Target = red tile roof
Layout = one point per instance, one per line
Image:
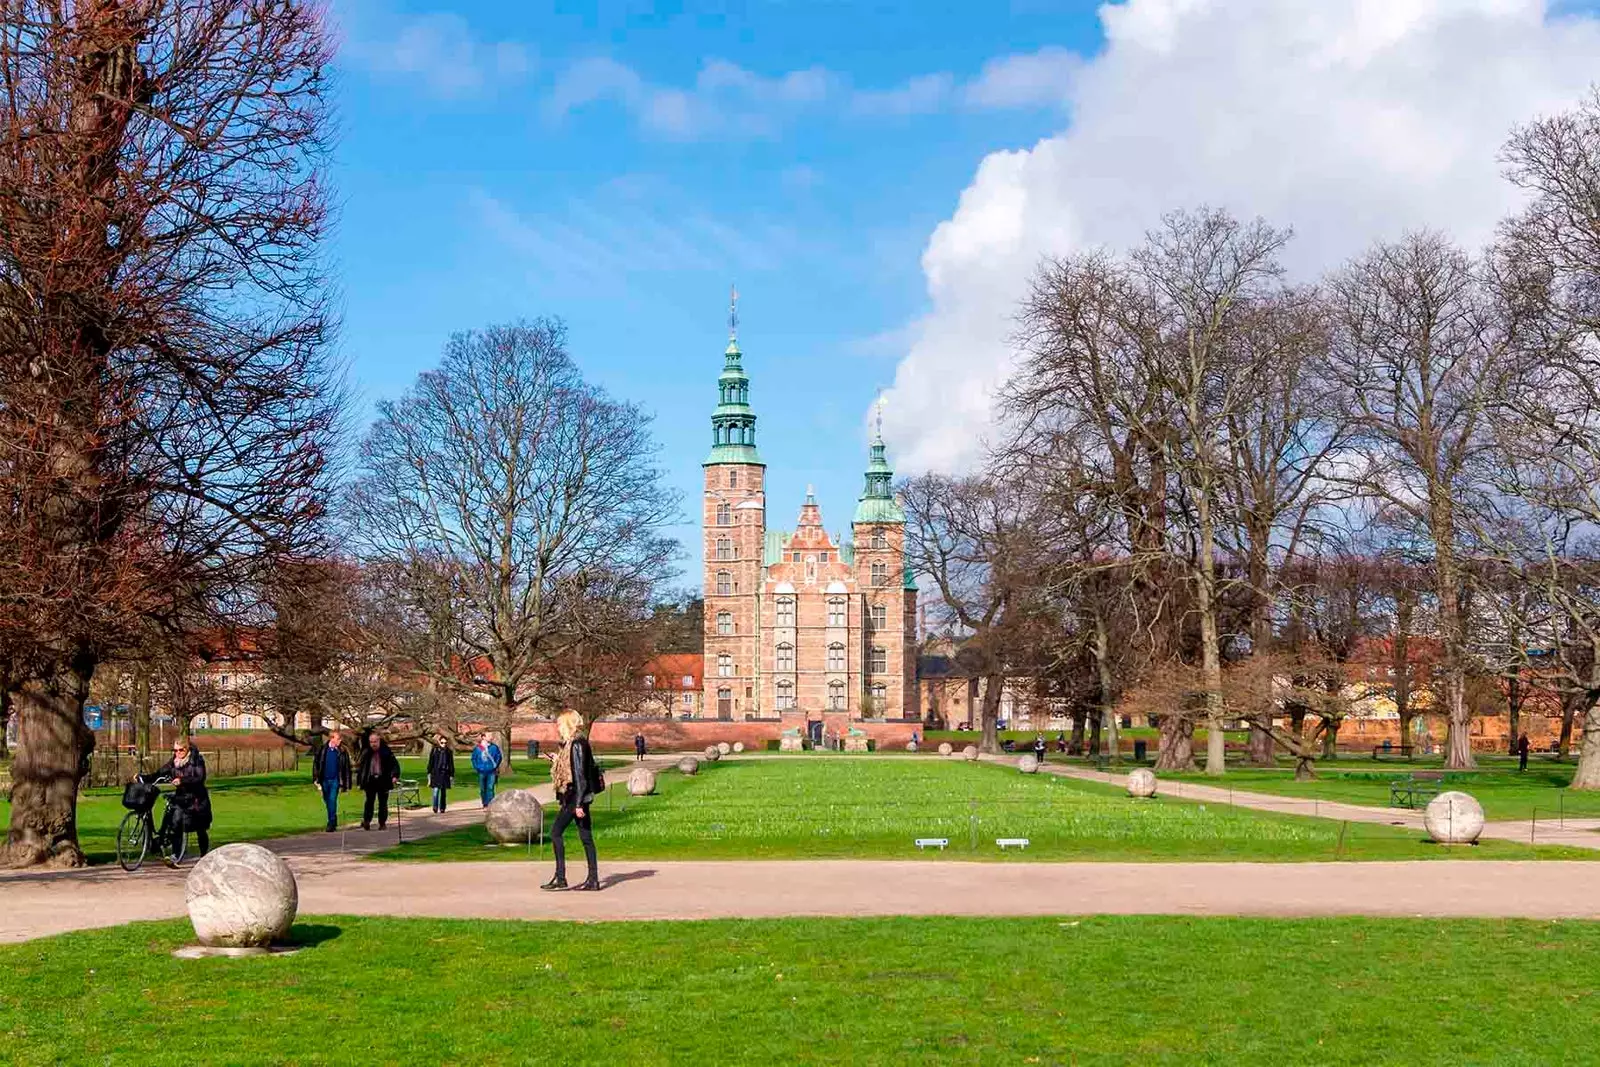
(669, 671)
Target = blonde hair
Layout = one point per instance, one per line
(569, 724)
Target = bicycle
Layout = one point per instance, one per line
(139, 830)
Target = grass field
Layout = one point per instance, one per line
(874, 808)
(829, 991)
(258, 806)
(1504, 792)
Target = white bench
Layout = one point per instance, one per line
(940, 842)
(1011, 842)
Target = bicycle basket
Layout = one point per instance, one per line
(139, 796)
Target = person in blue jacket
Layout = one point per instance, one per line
(486, 761)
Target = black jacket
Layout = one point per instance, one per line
(191, 796)
(340, 769)
(441, 767)
(378, 769)
(585, 775)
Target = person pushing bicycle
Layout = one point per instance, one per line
(187, 770)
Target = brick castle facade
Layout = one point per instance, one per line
(800, 626)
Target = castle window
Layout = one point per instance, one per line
(879, 661)
(880, 574)
(878, 540)
(786, 611)
(785, 695)
(724, 622)
(688, 681)
(724, 515)
(785, 657)
(724, 665)
(724, 548)
(733, 478)
(649, 681)
(724, 583)
(688, 700)
(880, 616)
(836, 612)
(880, 695)
(836, 696)
(822, 556)
(794, 557)
(836, 657)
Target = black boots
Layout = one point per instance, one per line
(558, 882)
(592, 884)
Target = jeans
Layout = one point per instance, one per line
(569, 814)
(330, 800)
(382, 797)
(438, 798)
(486, 786)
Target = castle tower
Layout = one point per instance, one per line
(887, 594)
(733, 521)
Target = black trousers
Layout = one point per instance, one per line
(382, 797)
(202, 838)
(569, 814)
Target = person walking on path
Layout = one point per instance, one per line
(638, 746)
(486, 761)
(1039, 747)
(330, 770)
(577, 779)
(377, 773)
(441, 770)
(1522, 753)
(191, 801)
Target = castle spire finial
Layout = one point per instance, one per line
(733, 312)
(879, 432)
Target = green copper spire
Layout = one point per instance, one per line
(877, 503)
(733, 423)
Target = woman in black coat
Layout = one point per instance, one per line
(191, 801)
(578, 781)
(441, 771)
(376, 774)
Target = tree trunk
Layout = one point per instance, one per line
(1105, 686)
(1399, 661)
(1458, 716)
(1330, 738)
(1261, 753)
(1210, 642)
(141, 715)
(993, 683)
(1075, 743)
(1177, 744)
(1514, 707)
(5, 719)
(1096, 718)
(1587, 776)
(502, 736)
(1297, 719)
(53, 750)
(1569, 709)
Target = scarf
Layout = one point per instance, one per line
(561, 769)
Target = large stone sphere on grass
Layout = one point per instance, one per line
(1028, 763)
(970, 752)
(738, 746)
(241, 896)
(641, 782)
(514, 816)
(688, 765)
(1454, 818)
(1142, 782)
(713, 753)
(945, 748)
(724, 748)
(911, 746)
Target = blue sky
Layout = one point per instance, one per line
(619, 165)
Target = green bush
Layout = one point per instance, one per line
(772, 744)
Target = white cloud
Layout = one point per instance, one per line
(1350, 120)
(918, 96)
(1034, 79)
(439, 51)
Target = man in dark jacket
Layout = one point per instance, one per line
(1522, 753)
(330, 770)
(441, 771)
(638, 746)
(376, 774)
(191, 802)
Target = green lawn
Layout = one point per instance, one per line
(1094, 990)
(873, 808)
(1504, 792)
(258, 806)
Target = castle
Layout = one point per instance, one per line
(799, 627)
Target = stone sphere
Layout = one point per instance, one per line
(241, 896)
(688, 765)
(641, 782)
(724, 748)
(945, 748)
(514, 817)
(1454, 818)
(970, 752)
(1028, 763)
(911, 746)
(738, 746)
(713, 753)
(1142, 782)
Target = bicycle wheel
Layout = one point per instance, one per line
(174, 846)
(133, 840)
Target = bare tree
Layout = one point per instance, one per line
(514, 506)
(166, 404)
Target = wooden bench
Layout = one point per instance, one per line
(1380, 752)
(1416, 788)
(1011, 842)
(941, 843)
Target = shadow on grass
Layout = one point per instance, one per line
(626, 876)
(307, 935)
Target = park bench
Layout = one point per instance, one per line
(941, 843)
(1383, 751)
(407, 794)
(1419, 787)
(1011, 842)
